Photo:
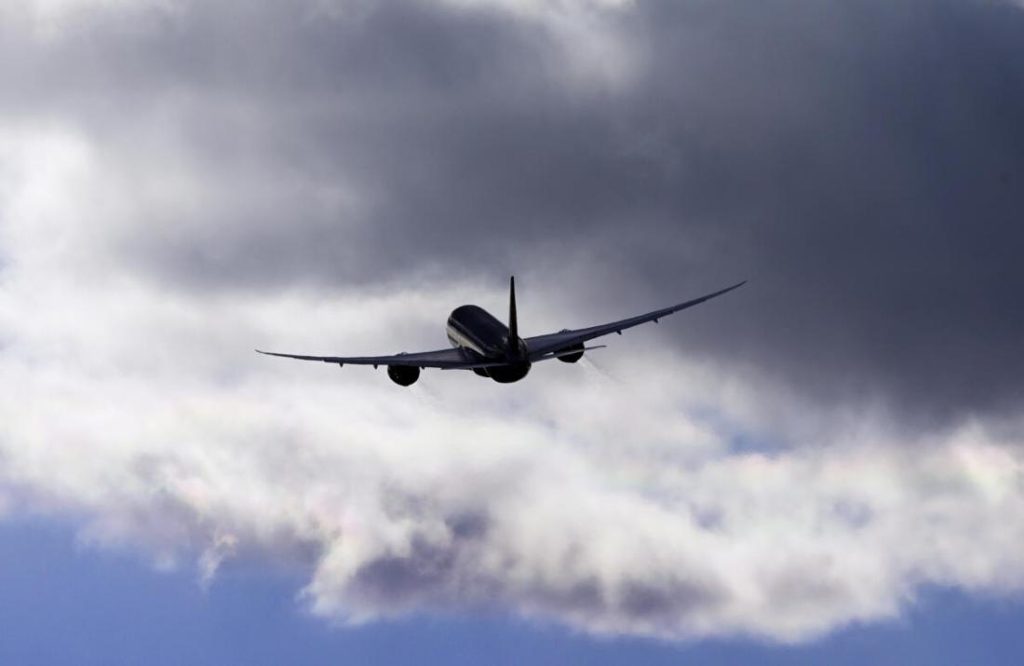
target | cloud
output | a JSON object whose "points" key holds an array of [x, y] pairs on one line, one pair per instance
{"points": [[857, 160], [177, 187], [50, 20]]}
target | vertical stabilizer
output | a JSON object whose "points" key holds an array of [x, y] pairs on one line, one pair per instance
{"points": [[513, 324]]}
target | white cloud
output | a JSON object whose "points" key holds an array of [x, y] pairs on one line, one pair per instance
{"points": [[50, 19], [614, 502]]}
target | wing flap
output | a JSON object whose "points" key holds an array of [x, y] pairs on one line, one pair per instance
{"points": [[541, 345], [442, 358]]}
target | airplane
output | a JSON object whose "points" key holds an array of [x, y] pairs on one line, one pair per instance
{"points": [[484, 345]]}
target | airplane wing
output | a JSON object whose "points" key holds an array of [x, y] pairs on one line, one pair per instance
{"points": [[541, 347], [446, 359]]}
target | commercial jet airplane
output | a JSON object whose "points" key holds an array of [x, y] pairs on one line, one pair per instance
{"points": [[484, 345]]}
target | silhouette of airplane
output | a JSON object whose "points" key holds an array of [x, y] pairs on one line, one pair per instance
{"points": [[484, 345]]}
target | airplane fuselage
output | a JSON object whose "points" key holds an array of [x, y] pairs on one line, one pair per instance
{"points": [[481, 336]]}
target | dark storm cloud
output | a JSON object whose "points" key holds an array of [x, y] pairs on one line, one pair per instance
{"points": [[862, 162]]}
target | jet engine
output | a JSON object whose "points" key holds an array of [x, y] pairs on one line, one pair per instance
{"points": [[403, 375], [572, 358]]}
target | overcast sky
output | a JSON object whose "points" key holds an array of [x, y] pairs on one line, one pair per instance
{"points": [[182, 181]]}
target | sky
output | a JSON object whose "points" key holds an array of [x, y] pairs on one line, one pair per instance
{"points": [[824, 465]]}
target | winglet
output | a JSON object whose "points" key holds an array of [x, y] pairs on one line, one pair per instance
{"points": [[513, 323]]}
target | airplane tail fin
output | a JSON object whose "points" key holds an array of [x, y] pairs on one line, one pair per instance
{"points": [[513, 323]]}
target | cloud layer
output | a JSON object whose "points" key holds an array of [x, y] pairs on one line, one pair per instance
{"points": [[180, 182]]}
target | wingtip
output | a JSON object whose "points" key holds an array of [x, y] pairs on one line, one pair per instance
{"points": [[726, 290]]}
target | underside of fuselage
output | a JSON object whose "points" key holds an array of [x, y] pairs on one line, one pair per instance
{"points": [[482, 337]]}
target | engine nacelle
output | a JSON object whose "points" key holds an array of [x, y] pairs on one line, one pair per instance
{"points": [[572, 358], [403, 375]]}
